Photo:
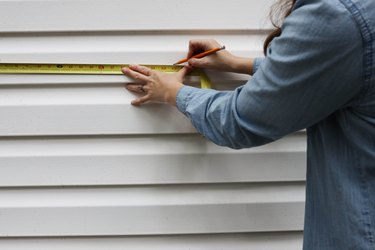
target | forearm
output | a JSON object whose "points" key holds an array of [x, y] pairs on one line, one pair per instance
{"points": [[242, 65]]}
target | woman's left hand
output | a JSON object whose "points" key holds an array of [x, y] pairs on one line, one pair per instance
{"points": [[154, 85]]}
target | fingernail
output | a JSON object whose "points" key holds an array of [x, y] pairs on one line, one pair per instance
{"points": [[134, 103]]}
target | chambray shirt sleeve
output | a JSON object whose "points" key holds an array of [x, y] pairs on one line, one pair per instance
{"points": [[257, 62], [312, 70]]}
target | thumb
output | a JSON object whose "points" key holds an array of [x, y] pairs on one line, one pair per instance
{"points": [[183, 72], [198, 63]]}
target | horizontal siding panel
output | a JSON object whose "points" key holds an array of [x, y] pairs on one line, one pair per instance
{"points": [[151, 210], [113, 15], [120, 47], [146, 160], [92, 119], [257, 241], [84, 111]]}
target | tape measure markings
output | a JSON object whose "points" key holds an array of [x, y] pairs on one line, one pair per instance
{"points": [[92, 69]]}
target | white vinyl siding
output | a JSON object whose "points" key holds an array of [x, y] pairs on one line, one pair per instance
{"points": [[81, 168]]}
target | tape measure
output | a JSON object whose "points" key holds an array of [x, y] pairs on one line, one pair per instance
{"points": [[90, 69]]}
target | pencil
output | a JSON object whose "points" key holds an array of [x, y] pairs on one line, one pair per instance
{"points": [[200, 55]]}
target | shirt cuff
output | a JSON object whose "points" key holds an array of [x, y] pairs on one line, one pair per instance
{"points": [[183, 97], [257, 62]]}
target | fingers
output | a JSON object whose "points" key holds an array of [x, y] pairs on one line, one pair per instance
{"points": [[139, 89], [198, 63], [198, 46], [157, 86], [140, 73], [183, 72], [137, 72], [141, 100], [141, 69]]}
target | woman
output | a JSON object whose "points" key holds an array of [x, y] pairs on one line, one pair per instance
{"points": [[319, 74]]}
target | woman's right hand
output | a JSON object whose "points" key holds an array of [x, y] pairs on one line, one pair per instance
{"points": [[221, 60]]}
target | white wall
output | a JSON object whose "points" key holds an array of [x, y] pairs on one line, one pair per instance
{"points": [[80, 168]]}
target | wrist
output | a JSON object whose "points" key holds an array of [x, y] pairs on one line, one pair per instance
{"points": [[171, 94]]}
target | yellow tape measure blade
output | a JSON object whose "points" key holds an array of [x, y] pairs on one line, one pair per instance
{"points": [[89, 69]]}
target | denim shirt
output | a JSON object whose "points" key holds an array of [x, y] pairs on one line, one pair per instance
{"points": [[319, 75]]}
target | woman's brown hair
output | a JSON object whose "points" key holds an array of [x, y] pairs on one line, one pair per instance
{"points": [[279, 11]]}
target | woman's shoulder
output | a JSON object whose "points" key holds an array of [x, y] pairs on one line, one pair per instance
{"points": [[324, 7], [335, 20], [327, 18], [338, 8]]}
